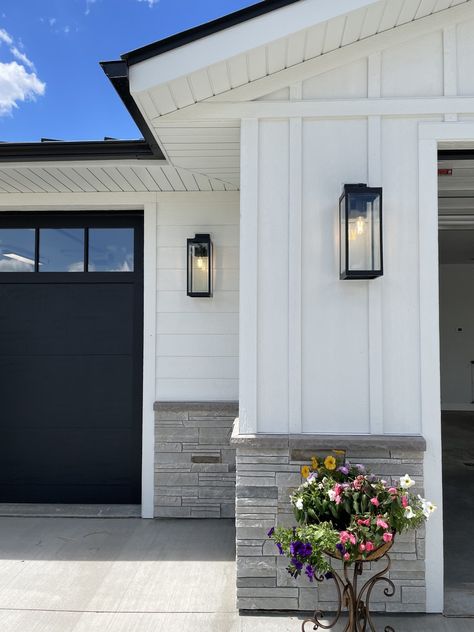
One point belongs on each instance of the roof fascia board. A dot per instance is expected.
(113, 150)
(29, 163)
(203, 30)
(118, 74)
(332, 60)
(236, 40)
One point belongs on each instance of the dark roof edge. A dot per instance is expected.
(75, 150)
(117, 73)
(455, 154)
(203, 30)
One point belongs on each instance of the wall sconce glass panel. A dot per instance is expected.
(200, 266)
(360, 232)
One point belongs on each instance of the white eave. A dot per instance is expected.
(257, 57)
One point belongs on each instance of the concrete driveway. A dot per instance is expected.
(131, 575)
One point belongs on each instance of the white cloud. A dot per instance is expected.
(5, 37)
(52, 21)
(151, 3)
(22, 57)
(17, 85)
(89, 3)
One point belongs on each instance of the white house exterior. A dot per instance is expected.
(261, 118)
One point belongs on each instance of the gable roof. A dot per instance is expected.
(203, 30)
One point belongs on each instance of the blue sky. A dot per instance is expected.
(51, 84)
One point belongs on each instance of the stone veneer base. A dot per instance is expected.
(194, 462)
(268, 469)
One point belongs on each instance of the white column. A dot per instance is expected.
(248, 276)
(149, 358)
(294, 262)
(430, 367)
(375, 286)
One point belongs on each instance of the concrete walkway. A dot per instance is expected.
(129, 575)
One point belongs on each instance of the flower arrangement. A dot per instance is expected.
(345, 512)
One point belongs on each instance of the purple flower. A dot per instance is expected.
(280, 548)
(309, 571)
(297, 564)
(360, 467)
(271, 532)
(341, 548)
(312, 475)
(344, 470)
(300, 549)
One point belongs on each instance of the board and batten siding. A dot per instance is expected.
(197, 338)
(334, 356)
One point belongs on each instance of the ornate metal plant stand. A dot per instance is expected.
(354, 597)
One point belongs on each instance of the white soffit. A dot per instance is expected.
(266, 45)
(103, 176)
(229, 65)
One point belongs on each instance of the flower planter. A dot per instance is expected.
(353, 597)
(373, 556)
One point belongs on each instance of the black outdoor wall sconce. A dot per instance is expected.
(199, 266)
(360, 232)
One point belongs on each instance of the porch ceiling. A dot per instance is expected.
(247, 61)
(103, 176)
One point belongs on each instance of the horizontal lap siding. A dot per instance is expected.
(197, 338)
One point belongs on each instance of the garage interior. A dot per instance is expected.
(456, 293)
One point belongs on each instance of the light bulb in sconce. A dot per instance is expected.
(200, 263)
(360, 224)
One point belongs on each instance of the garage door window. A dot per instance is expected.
(17, 249)
(67, 249)
(110, 250)
(61, 250)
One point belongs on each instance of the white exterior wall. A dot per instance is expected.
(352, 361)
(197, 338)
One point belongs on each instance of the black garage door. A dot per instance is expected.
(71, 288)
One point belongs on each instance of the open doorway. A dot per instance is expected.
(456, 298)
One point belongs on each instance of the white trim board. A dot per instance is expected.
(430, 136)
(105, 201)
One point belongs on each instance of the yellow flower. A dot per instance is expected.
(330, 463)
(314, 463)
(305, 471)
(341, 452)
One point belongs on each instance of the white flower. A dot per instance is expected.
(428, 508)
(409, 512)
(299, 503)
(332, 495)
(406, 482)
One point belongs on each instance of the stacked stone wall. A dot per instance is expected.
(194, 462)
(268, 470)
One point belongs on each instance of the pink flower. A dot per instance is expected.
(369, 546)
(347, 557)
(375, 501)
(381, 523)
(393, 491)
(359, 481)
(343, 537)
(361, 548)
(338, 489)
(404, 502)
(387, 537)
(338, 500)
(365, 523)
(352, 538)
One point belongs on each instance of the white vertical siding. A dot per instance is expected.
(335, 396)
(197, 338)
(272, 341)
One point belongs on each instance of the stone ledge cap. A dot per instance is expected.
(226, 407)
(415, 442)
